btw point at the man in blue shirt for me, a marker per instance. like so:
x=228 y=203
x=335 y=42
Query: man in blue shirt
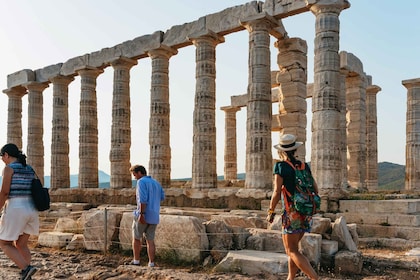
x=149 y=194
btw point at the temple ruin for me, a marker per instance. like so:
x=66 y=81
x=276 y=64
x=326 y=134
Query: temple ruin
x=344 y=130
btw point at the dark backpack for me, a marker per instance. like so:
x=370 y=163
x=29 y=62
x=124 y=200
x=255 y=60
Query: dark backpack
x=305 y=200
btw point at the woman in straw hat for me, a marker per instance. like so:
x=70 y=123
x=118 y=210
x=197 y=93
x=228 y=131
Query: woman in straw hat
x=294 y=224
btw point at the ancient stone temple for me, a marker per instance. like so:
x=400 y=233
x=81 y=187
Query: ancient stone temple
x=344 y=134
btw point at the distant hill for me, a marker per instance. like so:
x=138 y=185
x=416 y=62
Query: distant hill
x=391 y=176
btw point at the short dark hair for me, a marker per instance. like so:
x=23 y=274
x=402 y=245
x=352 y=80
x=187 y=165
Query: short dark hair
x=138 y=168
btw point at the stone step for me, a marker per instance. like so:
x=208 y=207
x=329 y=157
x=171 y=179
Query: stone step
x=252 y=262
x=381 y=231
x=395 y=206
x=385 y=219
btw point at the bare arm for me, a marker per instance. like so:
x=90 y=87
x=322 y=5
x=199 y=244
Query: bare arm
x=5 y=186
x=275 y=198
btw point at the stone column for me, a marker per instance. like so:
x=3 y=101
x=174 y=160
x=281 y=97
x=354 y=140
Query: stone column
x=371 y=138
x=326 y=155
x=159 y=123
x=121 y=130
x=60 y=163
x=292 y=62
x=14 y=115
x=356 y=131
x=88 y=130
x=259 y=165
x=230 y=158
x=343 y=127
x=204 y=172
x=35 y=146
x=412 y=148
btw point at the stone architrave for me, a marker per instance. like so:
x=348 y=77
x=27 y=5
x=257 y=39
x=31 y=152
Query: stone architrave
x=120 y=129
x=60 y=147
x=159 y=123
x=35 y=148
x=412 y=148
x=371 y=138
x=14 y=115
x=88 y=130
x=356 y=131
x=326 y=154
x=292 y=77
x=258 y=165
x=230 y=157
x=204 y=169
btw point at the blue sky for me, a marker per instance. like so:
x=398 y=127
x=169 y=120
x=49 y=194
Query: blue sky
x=35 y=34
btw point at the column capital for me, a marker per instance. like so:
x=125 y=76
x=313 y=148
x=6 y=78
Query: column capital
x=329 y=6
x=35 y=86
x=89 y=71
x=230 y=109
x=373 y=89
x=15 y=91
x=162 y=51
x=123 y=62
x=65 y=80
x=206 y=34
x=251 y=22
x=411 y=83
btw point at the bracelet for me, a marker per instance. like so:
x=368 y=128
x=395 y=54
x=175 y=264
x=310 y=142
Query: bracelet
x=270 y=211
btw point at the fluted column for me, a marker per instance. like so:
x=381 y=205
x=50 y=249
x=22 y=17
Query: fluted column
x=356 y=131
x=326 y=154
x=121 y=130
x=230 y=157
x=343 y=127
x=371 y=138
x=258 y=166
x=88 y=130
x=412 y=148
x=60 y=148
x=204 y=173
x=35 y=147
x=292 y=62
x=14 y=115
x=159 y=123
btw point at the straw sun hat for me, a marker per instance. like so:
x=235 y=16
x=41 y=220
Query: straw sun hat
x=287 y=143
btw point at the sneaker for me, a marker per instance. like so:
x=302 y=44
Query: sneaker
x=133 y=263
x=28 y=272
x=151 y=264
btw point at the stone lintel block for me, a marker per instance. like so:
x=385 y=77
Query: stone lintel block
x=45 y=74
x=138 y=47
x=177 y=36
x=410 y=83
x=54 y=239
x=239 y=100
x=228 y=20
x=104 y=57
x=292 y=45
x=351 y=63
x=285 y=8
x=279 y=32
x=310 y=245
x=329 y=247
x=20 y=77
x=70 y=67
x=251 y=262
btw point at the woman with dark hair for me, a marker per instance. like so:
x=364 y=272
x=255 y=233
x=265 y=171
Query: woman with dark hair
x=294 y=224
x=19 y=218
